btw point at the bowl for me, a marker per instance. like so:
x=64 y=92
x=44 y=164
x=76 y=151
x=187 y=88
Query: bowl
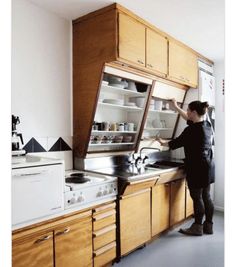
x=118 y=139
x=114 y=101
x=127 y=138
x=140 y=101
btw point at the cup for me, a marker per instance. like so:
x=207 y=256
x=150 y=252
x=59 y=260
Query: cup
x=158 y=105
x=130 y=126
x=106 y=126
x=121 y=127
x=113 y=126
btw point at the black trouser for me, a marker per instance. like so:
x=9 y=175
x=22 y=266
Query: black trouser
x=202 y=204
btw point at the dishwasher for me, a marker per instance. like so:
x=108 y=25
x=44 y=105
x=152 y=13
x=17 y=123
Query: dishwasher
x=37 y=189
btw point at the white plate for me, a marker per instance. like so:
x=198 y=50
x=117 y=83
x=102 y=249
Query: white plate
x=114 y=101
x=118 y=85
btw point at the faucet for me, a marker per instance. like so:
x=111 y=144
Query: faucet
x=141 y=159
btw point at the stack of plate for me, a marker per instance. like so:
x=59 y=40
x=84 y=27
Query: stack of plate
x=114 y=101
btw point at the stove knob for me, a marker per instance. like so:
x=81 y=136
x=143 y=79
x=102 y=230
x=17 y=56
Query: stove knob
x=80 y=198
x=105 y=192
x=72 y=200
x=99 y=194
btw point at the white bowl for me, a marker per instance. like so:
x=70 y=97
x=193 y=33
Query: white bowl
x=140 y=101
x=114 y=101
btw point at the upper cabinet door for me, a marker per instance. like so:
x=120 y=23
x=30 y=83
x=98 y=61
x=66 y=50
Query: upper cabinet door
x=182 y=64
x=131 y=40
x=157 y=50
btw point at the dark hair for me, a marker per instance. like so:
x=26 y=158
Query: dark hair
x=199 y=107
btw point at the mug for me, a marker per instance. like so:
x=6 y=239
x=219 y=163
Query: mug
x=131 y=126
x=113 y=126
x=121 y=127
x=106 y=126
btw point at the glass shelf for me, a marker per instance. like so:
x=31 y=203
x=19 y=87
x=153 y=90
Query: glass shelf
x=113 y=89
x=128 y=108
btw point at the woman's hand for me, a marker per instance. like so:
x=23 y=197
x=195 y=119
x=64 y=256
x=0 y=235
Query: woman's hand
x=173 y=103
x=162 y=141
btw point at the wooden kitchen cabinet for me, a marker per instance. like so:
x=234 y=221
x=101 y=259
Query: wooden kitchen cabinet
x=160 y=208
x=135 y=220
x=65 y=241
x=73 y=244
x=104 y=234
x=33 y=251
x=156 y=52
x=177 y=201
x=182 y=64
x=131 y=40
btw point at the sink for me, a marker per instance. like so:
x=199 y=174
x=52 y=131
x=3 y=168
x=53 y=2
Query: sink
x=164 y=164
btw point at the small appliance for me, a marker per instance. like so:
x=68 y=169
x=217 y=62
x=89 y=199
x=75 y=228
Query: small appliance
x=16 y=138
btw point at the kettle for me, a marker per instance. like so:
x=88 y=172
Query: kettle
x=16 y=138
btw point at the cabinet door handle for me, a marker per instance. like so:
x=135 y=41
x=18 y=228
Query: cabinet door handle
x=42 y=239
x=140 y=61
x=150 y=65
x=67 y=230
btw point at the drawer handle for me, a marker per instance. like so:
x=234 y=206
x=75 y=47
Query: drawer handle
x=140 y=61
x=67 y=230
x=42 y=239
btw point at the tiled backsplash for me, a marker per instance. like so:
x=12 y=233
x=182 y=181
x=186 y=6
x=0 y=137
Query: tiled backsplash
x=47 y=144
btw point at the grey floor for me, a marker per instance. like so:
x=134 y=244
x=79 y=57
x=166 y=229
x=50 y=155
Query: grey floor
x=176 y=250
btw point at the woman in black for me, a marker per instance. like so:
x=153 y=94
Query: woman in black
x=197 y=142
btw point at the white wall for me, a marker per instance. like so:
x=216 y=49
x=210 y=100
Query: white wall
x=41 y=71
x=219 y=136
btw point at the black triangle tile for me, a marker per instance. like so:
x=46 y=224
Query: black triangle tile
x=60 y=145
x=33 y=146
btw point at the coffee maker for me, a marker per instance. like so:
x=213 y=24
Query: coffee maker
x=16 y=138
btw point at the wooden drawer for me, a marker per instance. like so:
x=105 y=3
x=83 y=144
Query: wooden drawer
x=104 y=236
x=105 y=255
x=104 y=219
x=103 y=208
x=171 y=176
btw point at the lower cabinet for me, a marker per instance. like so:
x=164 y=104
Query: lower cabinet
x=104 y=234
x=33 y=251
x=160 y=208
x=189 y=204
x=177 y=201
x=135 y=220
x=73 y=244
x=65 y=242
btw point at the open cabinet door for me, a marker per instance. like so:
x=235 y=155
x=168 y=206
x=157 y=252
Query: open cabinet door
x=122 y=104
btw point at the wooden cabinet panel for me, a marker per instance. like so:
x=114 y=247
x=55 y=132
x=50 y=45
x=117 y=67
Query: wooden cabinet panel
x=135 y=221
x=177 y=201
x=33 y=251
x=105 y=219
x=105 y=255
x=73 y=244
x=156 y=51
x=104 y=237
x=182 y=64
x=131 y=40
x=160 y=208
x=189 y=204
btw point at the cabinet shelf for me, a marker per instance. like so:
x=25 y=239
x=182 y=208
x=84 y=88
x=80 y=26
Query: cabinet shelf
x=120 y=107
x=113 y=132
x=158 y=129
x=111 y=144
x=163 y=112
x=113 y=89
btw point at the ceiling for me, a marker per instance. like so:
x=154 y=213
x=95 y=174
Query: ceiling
x=197 y=23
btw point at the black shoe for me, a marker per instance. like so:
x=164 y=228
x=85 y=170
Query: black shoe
x=208 y=228
x=195 y=229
